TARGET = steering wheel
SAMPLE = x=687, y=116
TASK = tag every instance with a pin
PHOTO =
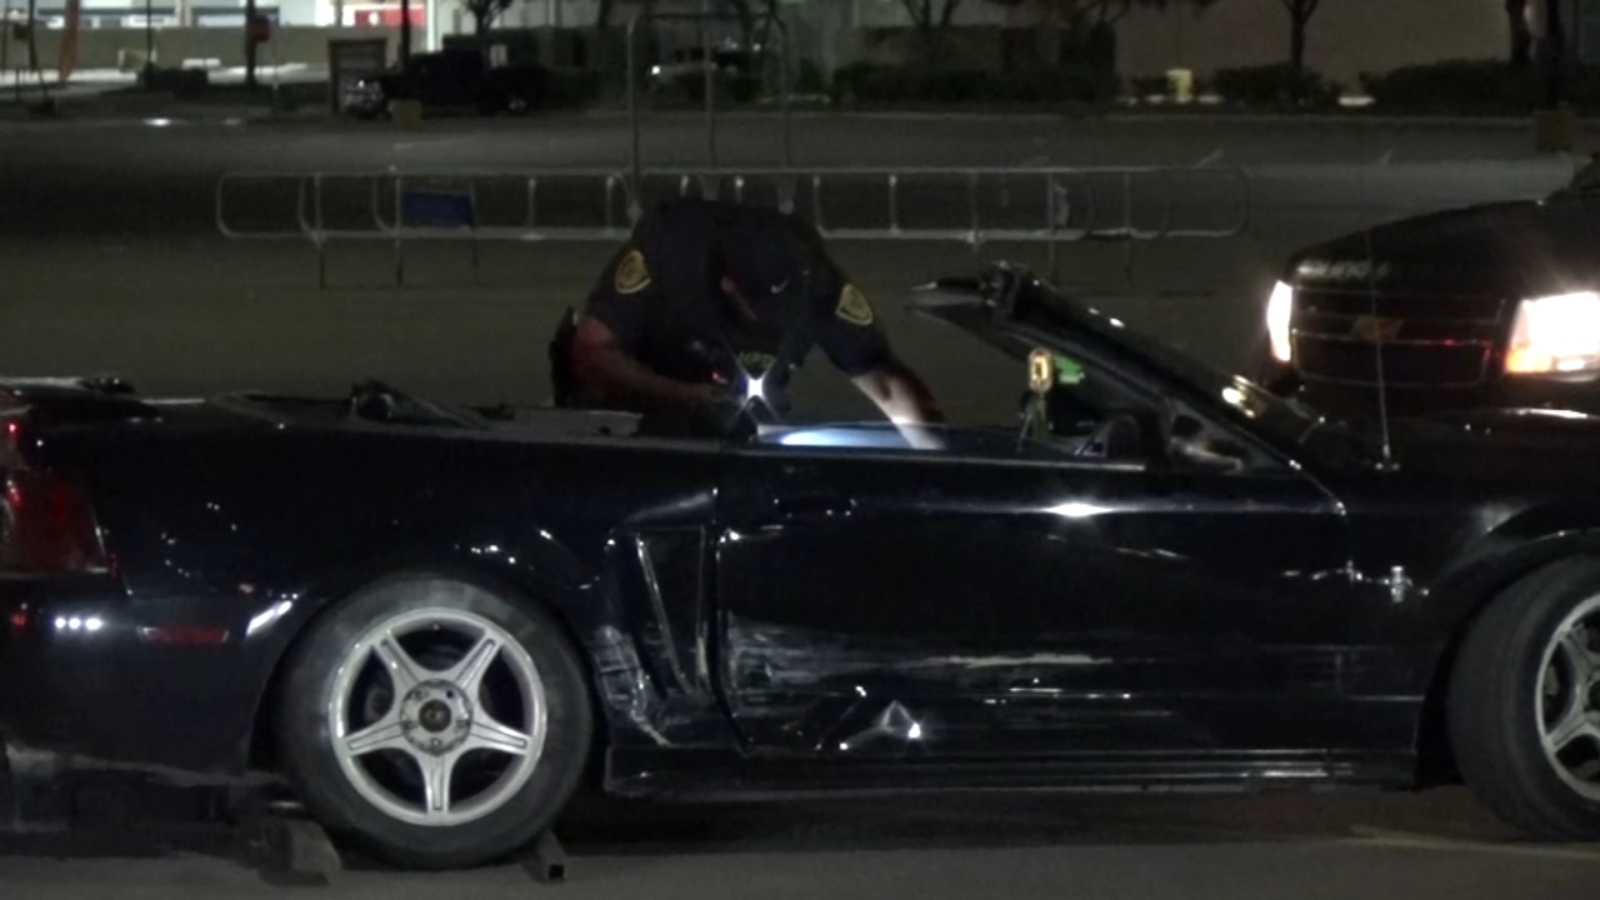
x=1001, y=283
x=374, y=401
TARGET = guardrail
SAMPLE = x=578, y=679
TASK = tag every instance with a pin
x=970, y=206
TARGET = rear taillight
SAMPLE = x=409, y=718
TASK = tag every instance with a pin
x=47, y=526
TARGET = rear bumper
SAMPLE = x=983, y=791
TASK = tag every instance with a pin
x=80, y=689
x=47, y=667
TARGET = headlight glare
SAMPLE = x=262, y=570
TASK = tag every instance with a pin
x=1280, y=307
x=1556, y=334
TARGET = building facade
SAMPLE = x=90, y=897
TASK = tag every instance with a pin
x=1346, y=38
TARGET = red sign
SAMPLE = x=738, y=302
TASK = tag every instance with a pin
x=260, y=30
x=387, y=16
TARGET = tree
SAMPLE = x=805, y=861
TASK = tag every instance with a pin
x=1521, y=37
x=1300, y=13
x=931, y=19
x=1113, y=11
x=1066, y=12
x=484, y=13
x=1069, y=22
x=746, y=14
x=602, y=28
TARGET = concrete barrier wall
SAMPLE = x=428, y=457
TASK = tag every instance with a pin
x=99, y=48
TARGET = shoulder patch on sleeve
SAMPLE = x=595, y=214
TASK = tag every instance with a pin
x=854, y=306
x=632, y=274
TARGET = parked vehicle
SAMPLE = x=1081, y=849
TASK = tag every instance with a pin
x=1495, y=305
x=730, y=61
x=429, y=620
x=451, y=81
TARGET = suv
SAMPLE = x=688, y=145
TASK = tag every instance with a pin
x=1496, y=305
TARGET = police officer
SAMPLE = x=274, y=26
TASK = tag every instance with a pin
x=707, y=308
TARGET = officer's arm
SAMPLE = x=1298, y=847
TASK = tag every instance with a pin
x=900, y=393
x=854, y=340
x=614, y=377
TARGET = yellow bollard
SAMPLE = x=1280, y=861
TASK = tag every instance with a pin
x=1181, y=83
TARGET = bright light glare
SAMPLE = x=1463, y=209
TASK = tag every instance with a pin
x=1280, y=307
x=858, y=438
x=1556, y=334
x=266, y=617
x=158, y=122
x=755, y=389
x=1077, y=510
x=838, y=437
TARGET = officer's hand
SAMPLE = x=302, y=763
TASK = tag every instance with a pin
x=716, y=408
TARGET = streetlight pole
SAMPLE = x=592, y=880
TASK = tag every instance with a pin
x=405, y=34
x=149, y=39
x=5, y=39
x=1556, y=39
x=250, y=45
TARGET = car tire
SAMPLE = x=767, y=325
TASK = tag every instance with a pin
x=1501, y=707
x=378, y=795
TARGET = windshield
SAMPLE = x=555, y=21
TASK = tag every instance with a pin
x=1282, y=420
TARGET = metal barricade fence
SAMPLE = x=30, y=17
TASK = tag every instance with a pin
x=969, y=206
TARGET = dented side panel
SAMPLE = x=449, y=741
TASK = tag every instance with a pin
x=651, y=657
x=951, y=610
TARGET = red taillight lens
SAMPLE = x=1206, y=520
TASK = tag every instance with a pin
x=47, y=527
x=10, y=442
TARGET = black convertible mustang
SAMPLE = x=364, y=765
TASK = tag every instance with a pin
x=1495, y=305
x=430, y=621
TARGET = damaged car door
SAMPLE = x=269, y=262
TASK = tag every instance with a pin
x=979, y=603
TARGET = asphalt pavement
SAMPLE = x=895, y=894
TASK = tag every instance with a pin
x=157, y=174
x=110, y=262
x=1337, y=846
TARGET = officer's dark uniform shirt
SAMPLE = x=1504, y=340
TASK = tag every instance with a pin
x=661, y=296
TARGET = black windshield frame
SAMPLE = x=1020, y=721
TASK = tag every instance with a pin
x=1238, y=398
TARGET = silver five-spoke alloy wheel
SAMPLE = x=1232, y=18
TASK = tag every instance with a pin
x=1568, y=699
x=451, y=729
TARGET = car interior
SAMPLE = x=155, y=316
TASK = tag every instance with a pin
x=1069, y=409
